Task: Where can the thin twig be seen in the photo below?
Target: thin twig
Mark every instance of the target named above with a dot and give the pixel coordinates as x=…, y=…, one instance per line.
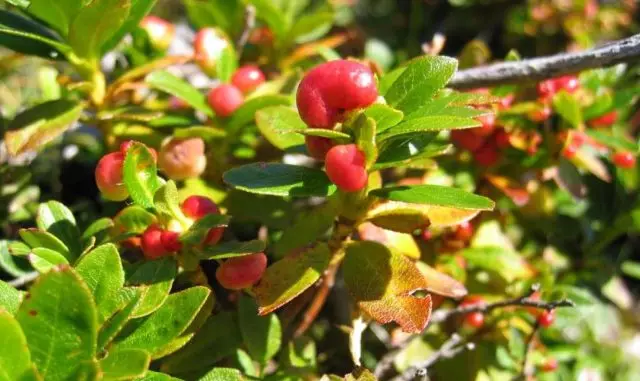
x=536, y=69
x=527, y=370
x=317, y=303
x=249, y=24
x=24, y=279
x=525, y=300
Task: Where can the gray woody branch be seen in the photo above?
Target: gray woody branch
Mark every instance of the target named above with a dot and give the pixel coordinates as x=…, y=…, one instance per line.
x=536, y=69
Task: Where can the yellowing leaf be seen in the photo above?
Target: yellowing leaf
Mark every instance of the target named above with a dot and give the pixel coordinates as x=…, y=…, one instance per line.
x=406, y=217
x=382, y=283
x=399, y=242
x=440, y=283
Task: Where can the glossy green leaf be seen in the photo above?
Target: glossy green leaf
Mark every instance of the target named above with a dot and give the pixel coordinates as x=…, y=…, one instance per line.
x=429, y=123
x=140, y=175
x=274, y=212
x=96, y=23
x=130, y=296
x=158, y=277
x=325, y=133
x=311, y=26
x=225, y=14
x=58, y=220
x=36, y=238
x=290, y=277
x=385, y=116
x=261, y=334
x=267, y=11
x=206, y=133
x=169, y=83
x=57, y=13
x=222, y=374
x=435, y=195
x=233, y=249
x=383, y=282
x=167, y=202
x=199, y=230
x=429, y=152
x=125, y=364
x=167, y=322
x=503, y=261
x=307, y=228
x=98, y=229
x=617, y=142
x=156, y=376
x=9, y=298
x=43, y=259
x=226, y=63
x=568, y=107
x=279, y=180
x=27, y=36
x=277, y=125
x=102, y=271
x=405, y=147
x=420, y=81
x=132, y=219
x=59, y=321
x=15, y=359
x=35, y=127
x=387, y=80
x=139, y=9
x=173, y=346
x=209, y=345
x=11, y=264
x=246, y=113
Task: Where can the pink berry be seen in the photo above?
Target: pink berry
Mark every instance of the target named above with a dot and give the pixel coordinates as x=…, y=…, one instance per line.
x=241, y=272
x=208, y=45
x=345, y=166
x=171, y=241
x=332, y=88
x=197, y=207
x=247, y=78
x=151, y=242
x=181, y=159
x=160, y=31
x=225, y=99
x=109, y=177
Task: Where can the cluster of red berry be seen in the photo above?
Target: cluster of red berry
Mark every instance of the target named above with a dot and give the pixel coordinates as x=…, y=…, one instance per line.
x=324, y=96
x=484, y=142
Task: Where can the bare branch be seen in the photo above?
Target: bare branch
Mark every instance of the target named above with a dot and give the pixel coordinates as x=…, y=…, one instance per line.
x=249, y=24
x=536, y=69
x=527, y=369
x=525, y=301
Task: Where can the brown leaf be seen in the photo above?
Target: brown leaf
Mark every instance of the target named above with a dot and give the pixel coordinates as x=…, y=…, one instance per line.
x=382, y=283
x=440, y=283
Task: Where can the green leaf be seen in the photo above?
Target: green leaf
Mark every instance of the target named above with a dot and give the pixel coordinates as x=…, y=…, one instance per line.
x=629, y=268
x=102, y=271
x=405, y=147
x=15, y=359
x=175, y=344
x=38, y=126
x=113, y=326
x=387, y=80
x=618, y=142
x=382, y=283
x=57, y=13
x=435, y=195
x=325, y=133
x=225, y=14
x=206, y=133
x=311, y=26
x=209, y=345
x=246, y=113
x=272, y=16
x=429, y=123
x=140, y=175
x=58, y=220
x=199, y=230
x=277, y=125
x=167, y=202
x=155, y=376
x=36, y=238
x=233, y=249
x=364, y=129
x=27, y=36
x=307, y=228
x=568, y=107
x=43, y=259
x=167, y=322
x=290, y=277
x=280, y=180
x=10, y=264
x=398, y=161
x=132, y=219
x=227, y=63
x=60, y=323
x=96, y=23
x=158, y=277
x=261, y=334
x=139, y=9
x=124, y=364
x=385, y=116
x=169, y=83
x=420, y=81
x=222, y=374
x=98, y=229
x=9, y=298
x=503, y=261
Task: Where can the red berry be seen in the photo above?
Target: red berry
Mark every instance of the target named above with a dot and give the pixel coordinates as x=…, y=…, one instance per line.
x=241, y=272
x=546, y=318
x=109, y=177
x=474, y=319
x=502, y=139
x=568, y=83
x=506, y=102
x=225, y=99
x=463, y=232
x=317, y=146
x=247, y=78
x=208, y=45
x=487, y=155
x=605, y=120
x=488, y=125
x=624, y=160
x=570, y=151
x=160, y=31
x=345, y=166
x=171, y=241
x=196, y=207
x=426, y=235
x=540, y=115
x=466, y=139
x=546, y=89
x=331, y=88
x=152, y=245
x=181, y=159
x=213, y=236
x=550, y=365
